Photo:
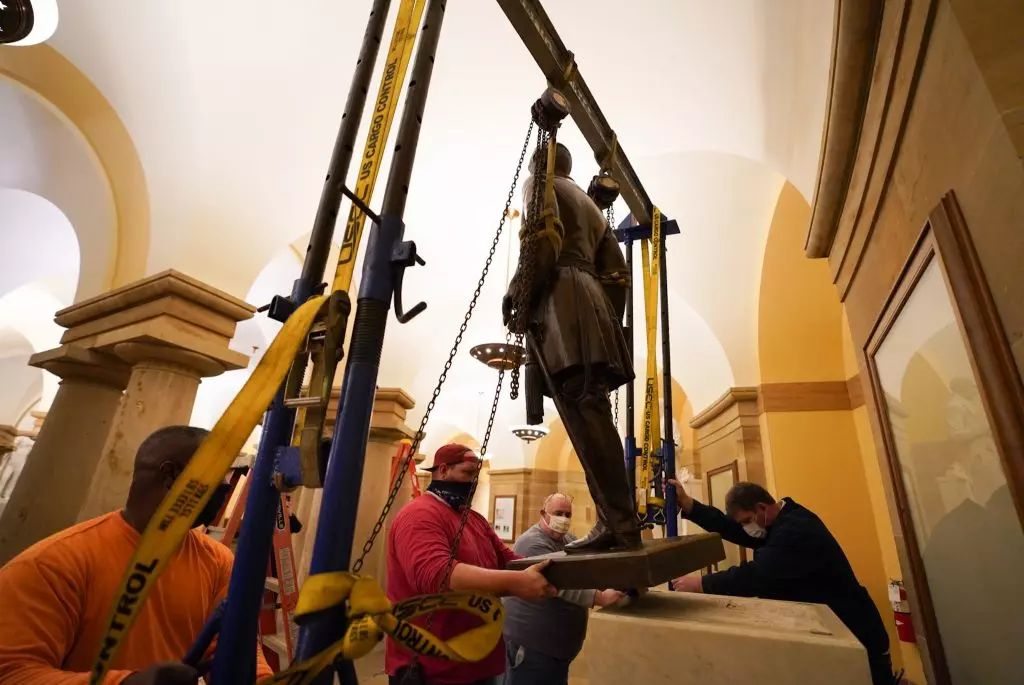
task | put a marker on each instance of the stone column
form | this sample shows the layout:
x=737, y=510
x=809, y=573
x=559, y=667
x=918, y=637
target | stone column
x=161, y=392
x=38, y=418
x=7, y=436
x=387, y=430
x=53, y=483
x=173, y=331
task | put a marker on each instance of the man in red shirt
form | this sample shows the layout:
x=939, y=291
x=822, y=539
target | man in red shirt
x=419, y=545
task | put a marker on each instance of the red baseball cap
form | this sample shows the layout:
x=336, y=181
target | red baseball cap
x=451, y=454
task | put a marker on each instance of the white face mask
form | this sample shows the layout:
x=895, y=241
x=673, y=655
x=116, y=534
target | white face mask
x=755, y=529
x=559, y=524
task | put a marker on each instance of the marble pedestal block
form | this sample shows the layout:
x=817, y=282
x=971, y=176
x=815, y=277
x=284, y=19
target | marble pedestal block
x=667, y=637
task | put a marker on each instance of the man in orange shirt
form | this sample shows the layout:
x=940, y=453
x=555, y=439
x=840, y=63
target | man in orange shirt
x=55, y=597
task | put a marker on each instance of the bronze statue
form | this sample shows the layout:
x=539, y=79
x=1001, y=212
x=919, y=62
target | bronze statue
x=568, y=295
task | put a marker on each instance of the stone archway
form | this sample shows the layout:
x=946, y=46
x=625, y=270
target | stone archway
x=85, y=114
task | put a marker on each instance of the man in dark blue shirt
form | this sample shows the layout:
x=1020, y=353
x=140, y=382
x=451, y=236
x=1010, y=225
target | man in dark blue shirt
x=796, y=559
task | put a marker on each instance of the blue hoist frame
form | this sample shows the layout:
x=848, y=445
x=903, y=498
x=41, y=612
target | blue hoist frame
x=387, y=256
x=628, y=232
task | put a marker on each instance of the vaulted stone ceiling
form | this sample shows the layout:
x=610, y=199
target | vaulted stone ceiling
x=233, y=107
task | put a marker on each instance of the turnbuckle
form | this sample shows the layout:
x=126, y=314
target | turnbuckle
x=403, y=257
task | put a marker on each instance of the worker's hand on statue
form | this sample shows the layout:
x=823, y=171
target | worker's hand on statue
x=606, y=598
x=166, y=673
x=688, y=584
x=684, y=501
x=530, y=583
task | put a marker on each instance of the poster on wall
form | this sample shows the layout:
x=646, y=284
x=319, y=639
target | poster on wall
x=504, y=516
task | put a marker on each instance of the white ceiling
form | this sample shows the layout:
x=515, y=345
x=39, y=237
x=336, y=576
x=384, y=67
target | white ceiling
x=716, y=104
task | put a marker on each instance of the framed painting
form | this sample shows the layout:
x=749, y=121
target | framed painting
x=949, y=408
x=505, y=517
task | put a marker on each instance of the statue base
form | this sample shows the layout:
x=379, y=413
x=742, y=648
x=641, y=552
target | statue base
x=657, y=562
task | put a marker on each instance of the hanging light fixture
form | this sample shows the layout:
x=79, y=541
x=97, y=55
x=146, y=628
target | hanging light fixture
x=529, y=433
x=499, y=355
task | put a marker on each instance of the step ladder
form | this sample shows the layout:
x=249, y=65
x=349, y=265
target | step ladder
x=403, y=449
x=278, y=632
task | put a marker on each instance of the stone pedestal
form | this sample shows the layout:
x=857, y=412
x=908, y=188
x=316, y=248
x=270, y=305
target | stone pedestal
x=712, y=640
x=55, y=479
x=387, y=430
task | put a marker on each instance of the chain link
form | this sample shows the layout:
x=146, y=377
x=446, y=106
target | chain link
x=404, y=467
x=610, y=215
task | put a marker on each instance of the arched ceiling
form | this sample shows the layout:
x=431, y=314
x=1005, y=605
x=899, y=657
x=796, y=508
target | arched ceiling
x=717, y=104
x=39, y=241
x=43, y=156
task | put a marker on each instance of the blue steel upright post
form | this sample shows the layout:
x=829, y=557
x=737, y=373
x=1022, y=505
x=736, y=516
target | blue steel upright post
x=335, y=533
x=668, y=447
x=235, y=658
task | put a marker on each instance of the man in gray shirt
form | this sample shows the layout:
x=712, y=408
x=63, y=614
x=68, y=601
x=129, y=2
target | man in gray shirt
x=543, y=637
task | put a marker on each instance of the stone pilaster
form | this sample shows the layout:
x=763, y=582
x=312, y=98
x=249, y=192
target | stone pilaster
x=57, y=472
x=172, y=331
x=729, y=432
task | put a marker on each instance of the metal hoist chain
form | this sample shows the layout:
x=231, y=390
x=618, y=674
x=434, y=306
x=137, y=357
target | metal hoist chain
x=528, y=250
x=404, y=467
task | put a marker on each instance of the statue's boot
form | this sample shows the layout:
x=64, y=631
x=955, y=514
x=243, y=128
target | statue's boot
x=587, y=417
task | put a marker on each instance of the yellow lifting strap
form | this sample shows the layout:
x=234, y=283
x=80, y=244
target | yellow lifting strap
x=193, y=488
x=403, y=39
x=372, y=616
x=652, y=429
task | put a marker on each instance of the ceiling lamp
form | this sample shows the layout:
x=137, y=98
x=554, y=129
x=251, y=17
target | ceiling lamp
x=27, y=22
x=529, y=433
x=500, y=355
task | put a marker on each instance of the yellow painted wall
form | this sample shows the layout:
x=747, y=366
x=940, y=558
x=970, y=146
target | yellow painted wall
x=825, y=460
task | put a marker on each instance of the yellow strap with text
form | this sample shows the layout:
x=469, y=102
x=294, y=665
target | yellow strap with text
x=650, y=267
x=402, y=41
x=190, y=492
x=372, y=616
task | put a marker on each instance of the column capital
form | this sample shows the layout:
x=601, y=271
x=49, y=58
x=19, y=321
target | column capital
x=8, y=434
x=168, y=309
x=390, y=407
x=71, y=362
x=169, y=358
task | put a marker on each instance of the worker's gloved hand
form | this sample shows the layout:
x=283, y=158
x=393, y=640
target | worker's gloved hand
x=530, y=583
x=606, y=598
x=684, y=501
x=166, y=673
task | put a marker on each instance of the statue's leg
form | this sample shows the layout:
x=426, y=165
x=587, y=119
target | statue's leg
x=587, y=416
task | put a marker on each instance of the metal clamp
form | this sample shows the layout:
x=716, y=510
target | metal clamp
x=403, y=257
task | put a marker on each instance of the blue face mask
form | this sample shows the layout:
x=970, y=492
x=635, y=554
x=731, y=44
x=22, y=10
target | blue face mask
x=454, y=493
